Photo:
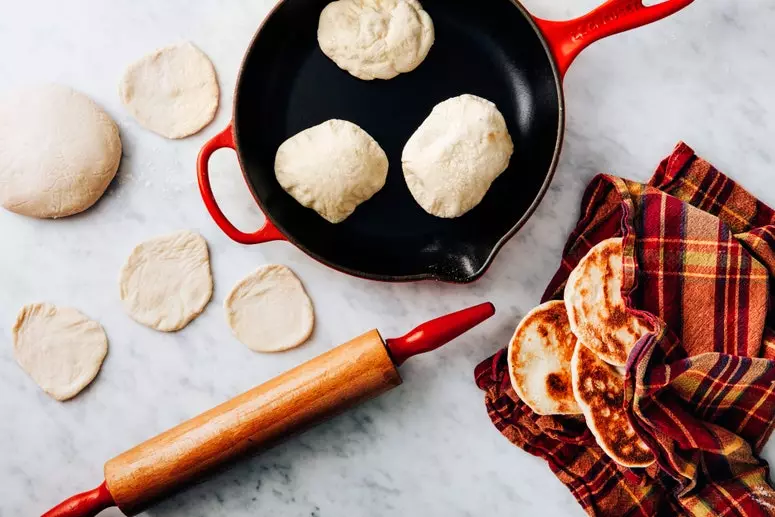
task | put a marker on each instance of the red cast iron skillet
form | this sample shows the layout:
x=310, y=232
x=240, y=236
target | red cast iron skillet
x=491, y=48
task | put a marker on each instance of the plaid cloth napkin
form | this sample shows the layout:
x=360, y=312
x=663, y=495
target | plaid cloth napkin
x=699, y=257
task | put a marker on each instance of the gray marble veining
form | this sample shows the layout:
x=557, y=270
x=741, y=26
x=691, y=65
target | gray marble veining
x=428, y=448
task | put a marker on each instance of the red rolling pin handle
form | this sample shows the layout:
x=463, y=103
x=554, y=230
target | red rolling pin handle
x=435, y=333
x=87, y=504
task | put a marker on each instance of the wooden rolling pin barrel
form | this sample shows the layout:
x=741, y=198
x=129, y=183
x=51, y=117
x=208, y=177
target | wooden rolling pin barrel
x=349, y=374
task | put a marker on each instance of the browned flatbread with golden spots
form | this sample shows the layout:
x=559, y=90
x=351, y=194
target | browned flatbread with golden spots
x=599, y=391
x=596, y=310
x=539, y=360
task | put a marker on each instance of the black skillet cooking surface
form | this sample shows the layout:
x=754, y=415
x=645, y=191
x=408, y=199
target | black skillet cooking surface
x=489, y=48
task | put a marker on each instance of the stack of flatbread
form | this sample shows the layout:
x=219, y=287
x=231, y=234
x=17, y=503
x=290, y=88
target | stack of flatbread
x=567, y=357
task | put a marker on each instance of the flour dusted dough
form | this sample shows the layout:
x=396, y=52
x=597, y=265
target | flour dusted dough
x=58, y=151
x=60, y=348
x=375, y=39
x=172, y=91
x=269, y=311
x=331, y=168
x=166, y=282
x=454, y=156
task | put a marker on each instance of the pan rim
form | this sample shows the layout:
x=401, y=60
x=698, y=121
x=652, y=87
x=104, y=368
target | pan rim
x=427, y=275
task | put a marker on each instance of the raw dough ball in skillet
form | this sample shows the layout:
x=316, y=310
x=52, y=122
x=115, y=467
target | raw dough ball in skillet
x=60, y=348
x=166, y=282
x=172, y=91
x=331, y=168
x=269, y=310
x=375, y=39
x=58, y=151
x=454, y=156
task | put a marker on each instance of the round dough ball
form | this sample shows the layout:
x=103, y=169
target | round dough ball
x=331, y=168
x=454, y=156
x=172, y=91
x=375, y=39
x=269, y=310
x=166, y=281
x=60, y=348
x=59, y=151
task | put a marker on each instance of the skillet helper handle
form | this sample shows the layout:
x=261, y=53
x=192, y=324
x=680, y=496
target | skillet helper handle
x=568, y=38
x=308, y=394
x=266, y=233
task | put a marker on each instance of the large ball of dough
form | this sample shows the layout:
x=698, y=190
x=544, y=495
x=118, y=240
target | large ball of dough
x=60, y=348
x=331, y=168
x=58, y=151
x=375, y=39
x=172, y=91
x=454, y=156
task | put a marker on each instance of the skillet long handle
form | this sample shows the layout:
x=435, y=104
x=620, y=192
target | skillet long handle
x=568, y=38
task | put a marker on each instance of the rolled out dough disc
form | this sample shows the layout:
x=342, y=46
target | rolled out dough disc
x=166, y=281
x=269, y=310
x=172, y=91
x=60, y=348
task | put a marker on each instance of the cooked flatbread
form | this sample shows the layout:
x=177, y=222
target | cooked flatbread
x=596, y=309
x=599, y=390
x=539, y=360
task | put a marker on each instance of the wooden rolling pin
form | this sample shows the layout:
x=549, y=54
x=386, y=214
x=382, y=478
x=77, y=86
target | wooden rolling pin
x=349, y=374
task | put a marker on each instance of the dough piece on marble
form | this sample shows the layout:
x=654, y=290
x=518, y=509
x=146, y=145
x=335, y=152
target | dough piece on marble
x=596, y=310
x=454, y=156
x=332, y=168
x=166, y=281
x=172, y=91
x=375, y=39
x=60, y=348
x=59, y=151
x=539, y=360
x=269, y=310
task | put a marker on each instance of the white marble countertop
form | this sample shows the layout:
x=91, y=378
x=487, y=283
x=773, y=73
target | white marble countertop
x=705, y=76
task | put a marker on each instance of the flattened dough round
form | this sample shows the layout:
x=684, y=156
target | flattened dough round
x=166, y=281
x=454, y=156
x=269, y=310
x=331, y=168
x=172, y=91
x=539, y=360
x=375, y=39
x=60, y=348
x=59, y=151
x=596, y=309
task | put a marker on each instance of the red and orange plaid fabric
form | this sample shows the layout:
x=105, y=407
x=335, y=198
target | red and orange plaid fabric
x=699, y=257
